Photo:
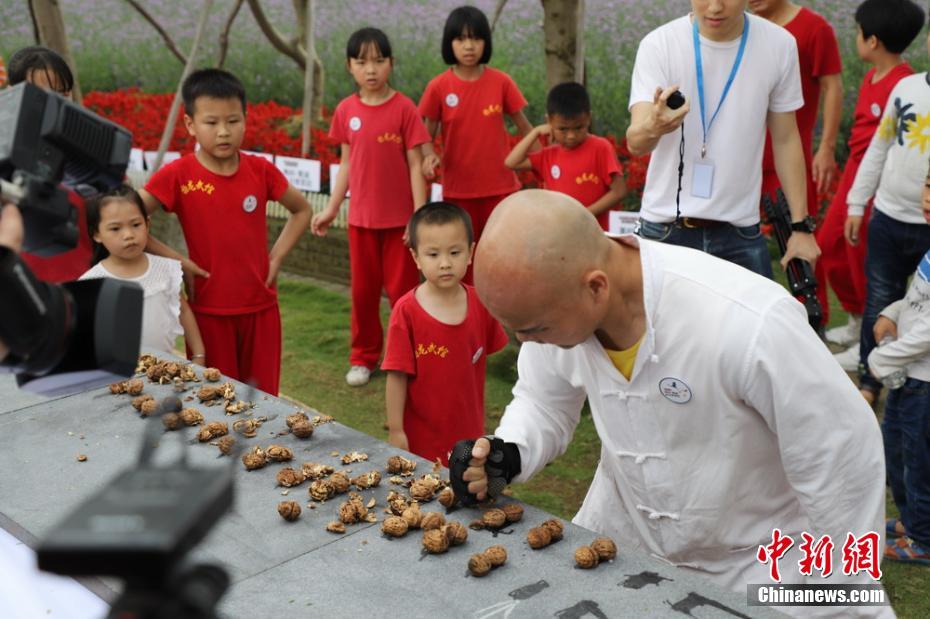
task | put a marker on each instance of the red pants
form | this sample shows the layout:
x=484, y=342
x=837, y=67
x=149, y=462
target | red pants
x=246, y=347
x=378, y=259
x=842, y=265
x=479, y=209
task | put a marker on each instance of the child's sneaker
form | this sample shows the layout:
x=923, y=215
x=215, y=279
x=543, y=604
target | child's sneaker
x=849, y=358
x=847, y=334
x=358, y=375
x=906, y=550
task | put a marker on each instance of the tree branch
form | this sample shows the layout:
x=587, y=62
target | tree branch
x=164, y=35
x=224, y=35
x=497, y=13
x=275, y=37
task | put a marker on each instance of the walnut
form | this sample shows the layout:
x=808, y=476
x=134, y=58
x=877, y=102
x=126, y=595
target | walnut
x=187, y=373
x=207, y=393
x=211, y=374
x=555, y=528
x=605, y=548
x=321, y=489
x=394, y=526
x=172, y=421
x=413, y=516
x=137, y=402
x=340, y=482
x=212, y=430
x=148, y=407
x=191, y=416
x=456, y=533
x=586, y=557
x=336, y=527
x=538, y=537
x=354, y=456
x=421, y=491
x=513, y=512
x=295, y=418
x=478, y=565
x=319, y=420
x=226, y=444
x=496, y=555
x=316, y=471
x=145, y=362
x=118, y=388
x=348, y=512
x=432, y=520
x=370, y=479
x=134, y=387
x=289, y=477
x=435, y=541
x=254, y=459
x=400, y=465
x=302, y=429
x=247, y=427
x=397, y=503
x=156, y=371
x=447, y=497
x=234, y=408
x=277, y=453
x=172, y=369
x=494, y=518
x=289, y=510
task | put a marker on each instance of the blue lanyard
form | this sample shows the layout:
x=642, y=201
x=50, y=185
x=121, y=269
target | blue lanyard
x=700, y=76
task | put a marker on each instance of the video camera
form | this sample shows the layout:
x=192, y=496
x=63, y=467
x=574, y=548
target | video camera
x=81, y=334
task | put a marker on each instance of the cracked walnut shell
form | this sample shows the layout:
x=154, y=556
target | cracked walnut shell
x=191, y=416
x=478, y=565
x=395, y=526
x=148, y=407
x=336, y=527
x=494, y=518
x=277, y=453
x=254, y=459
x=456, y=533
x=137, y=402
x=297, y=417
x=555, y=528
x=513, y=512
x=226, y=444
x=432, y=520
x=586, y=557
x=134, y=387
x=211, y=374
x=247, y=427
x=321, y=489
x=435, y=541
x=605, y=548
x=302, y=429
x=316, y=471
x=538, y=537
x=496, y=555
x=370, y=479
x=289, y=510
x=118, y=388
x=212, y=430
x=289, y=477
x=398, y=465
x=208, y=392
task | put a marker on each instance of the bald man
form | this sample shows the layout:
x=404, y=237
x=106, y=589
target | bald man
x=729, y=419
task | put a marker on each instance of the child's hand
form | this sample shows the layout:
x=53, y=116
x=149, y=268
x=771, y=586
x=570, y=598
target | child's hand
x=191, y=270
x=851, y=229
x=320, y=222
x=429, y=165
x=398, y=439
x=11, y=228
x=274, y=265
x=885, y=327
x=545, y=130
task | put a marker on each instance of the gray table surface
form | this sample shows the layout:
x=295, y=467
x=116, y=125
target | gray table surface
x=300, y=569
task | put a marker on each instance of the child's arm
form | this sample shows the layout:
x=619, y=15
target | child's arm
x=869, y=173
x=430, y=158
x=824, y=164
x=611, y=198
x=417, y=182
x=395, y=398
x=517, y=159
x=524, y=127
x=192, y=333
x=337, y=193
x=907, y=348
x=296, y=225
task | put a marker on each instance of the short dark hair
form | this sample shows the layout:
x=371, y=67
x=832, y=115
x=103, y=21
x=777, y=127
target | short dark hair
x=896, y=23
x=213, y=83
x=95, y=204
x=27, y=60
x=360, y=39
x=437, y=214
x=568, y=100
x=470, y=20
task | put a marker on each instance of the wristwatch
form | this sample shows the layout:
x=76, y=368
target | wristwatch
x=805, y=225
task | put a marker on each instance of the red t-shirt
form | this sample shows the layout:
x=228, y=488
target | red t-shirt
x=446, y=370
x=223, y=219
x=869, y=108
x=379, y=137
x=474, y=136
x=818, y=55
x=69, y=265
x=584, y=172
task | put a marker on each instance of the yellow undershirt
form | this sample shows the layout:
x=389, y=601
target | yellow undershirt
x=624, y=360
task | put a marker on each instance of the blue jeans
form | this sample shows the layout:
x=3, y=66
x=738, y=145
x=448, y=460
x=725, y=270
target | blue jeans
x=906, y=431
x=744, y=246
x=893, y=252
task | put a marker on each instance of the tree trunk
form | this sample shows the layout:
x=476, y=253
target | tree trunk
x=562, y=26
x=51, y=28
x=309, y=99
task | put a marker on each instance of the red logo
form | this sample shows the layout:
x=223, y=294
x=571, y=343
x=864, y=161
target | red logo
x=774, y=551
x=860, y=554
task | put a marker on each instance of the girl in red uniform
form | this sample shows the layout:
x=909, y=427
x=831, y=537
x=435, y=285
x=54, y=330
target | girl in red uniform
x=469, y=102
x=380, y=134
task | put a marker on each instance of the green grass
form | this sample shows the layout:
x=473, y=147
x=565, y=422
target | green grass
x=315, y=359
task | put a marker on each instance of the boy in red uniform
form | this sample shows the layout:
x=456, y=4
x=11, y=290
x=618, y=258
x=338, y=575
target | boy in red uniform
x=438, y=341
x=219, y=195
x=579, y=164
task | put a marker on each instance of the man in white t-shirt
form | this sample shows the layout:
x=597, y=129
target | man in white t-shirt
x=748, y=71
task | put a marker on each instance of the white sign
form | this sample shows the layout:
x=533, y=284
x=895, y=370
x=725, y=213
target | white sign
x=267, y=156
x=333, y=171
x=435, y=192
x=304, y=174
x=623, y=222
x=150, y=156
x=136, y=160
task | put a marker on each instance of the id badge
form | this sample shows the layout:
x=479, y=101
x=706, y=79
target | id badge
x=702, y=180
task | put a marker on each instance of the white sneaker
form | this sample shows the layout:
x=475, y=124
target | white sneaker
x=847, y=334
x=849, y=358
x=358, y=375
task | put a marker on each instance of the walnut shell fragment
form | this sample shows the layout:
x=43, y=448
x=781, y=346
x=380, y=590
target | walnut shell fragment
x=447, y=497
x=297, y=417
x=555, y=528
x=316, y=471
x=212, y=374
x=191, y=416
x=137, y=402
x=586, y=557
x=118, y=388
x=435, y=541
x=148, y=407
x=513, y=512
x=397, y=503
x=538, y=537
x=171, y=421
x=289, y=510
x=354, y=456
x=432, y=520
x=277, y=453
x=134, y=387
x=289, y=477
x=336, y=527
x=478, y=565
x=234, y=408
x=321, y=490
x=302, y=429
x=605, y=548
x=394, y=526
x=496, y=555
x=226, y=444
x=254, y=459
x=456, y=533
x=212, y=430
x=247, y=427
x=370, y=479
x=494, y=518
x=399, y=465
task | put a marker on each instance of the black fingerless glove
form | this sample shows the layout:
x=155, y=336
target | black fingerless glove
x=501, y=466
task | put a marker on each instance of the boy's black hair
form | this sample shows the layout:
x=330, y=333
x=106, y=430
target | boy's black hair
x=34, y=58
x=213, y=83
x=92, y=214
x=437, y=214
x=568, y=100
x=470, y=20
x=896, y=23
x=360, y=39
